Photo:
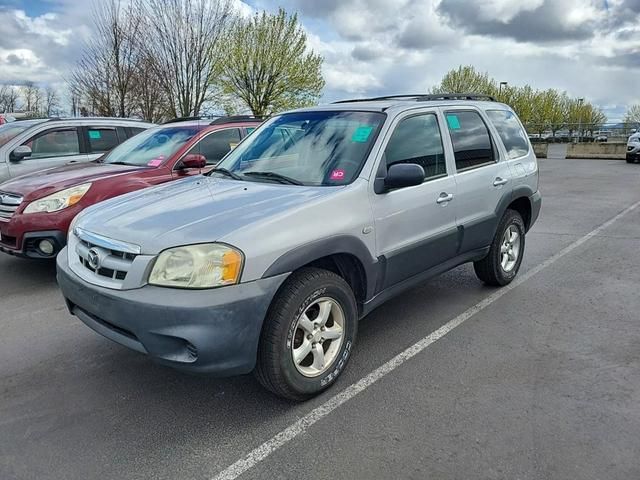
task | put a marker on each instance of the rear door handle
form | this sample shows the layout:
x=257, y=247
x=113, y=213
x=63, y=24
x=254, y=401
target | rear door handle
x=444, y=198
x=500, y=181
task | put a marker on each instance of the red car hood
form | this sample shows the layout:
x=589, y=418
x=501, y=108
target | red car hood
x=56, y=179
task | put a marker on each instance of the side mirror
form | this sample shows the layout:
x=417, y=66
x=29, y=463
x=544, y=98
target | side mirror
x=402, y=175
x=193, y=160
x=20, y=153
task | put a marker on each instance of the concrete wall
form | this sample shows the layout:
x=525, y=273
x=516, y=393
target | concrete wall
x=541, y=149
x=597, y=150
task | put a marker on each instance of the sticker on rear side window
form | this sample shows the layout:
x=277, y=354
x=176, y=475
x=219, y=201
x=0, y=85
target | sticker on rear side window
x=454, y=122
x=95, y=134
x=362, y=133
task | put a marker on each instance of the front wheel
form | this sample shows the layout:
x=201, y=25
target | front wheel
x=501, y=265
x=308, y=334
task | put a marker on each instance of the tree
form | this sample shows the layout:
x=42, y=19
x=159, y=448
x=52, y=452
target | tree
x=8, y=98
x=633, y=115
x=539, y=110
x=52, y=101
x=184, y=39
x=150, y=98
x=29, y=95
x=268, y=64
x=466, y=79
x=106, y=70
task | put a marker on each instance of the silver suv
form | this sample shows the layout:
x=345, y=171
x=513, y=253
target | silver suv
x=633, y=148
x=31, y=145
x=267, y=262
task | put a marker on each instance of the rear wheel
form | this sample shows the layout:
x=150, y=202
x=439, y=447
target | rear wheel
x=501, y=265
x=308, y=334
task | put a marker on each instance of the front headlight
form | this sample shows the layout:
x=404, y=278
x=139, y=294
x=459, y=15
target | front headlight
x=205, y=265
x=59, y=200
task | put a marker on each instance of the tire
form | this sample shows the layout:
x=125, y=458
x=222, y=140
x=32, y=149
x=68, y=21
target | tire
x=490, y=269
x=305, y=292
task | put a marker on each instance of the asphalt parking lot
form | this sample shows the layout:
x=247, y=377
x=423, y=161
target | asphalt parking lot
x=540, y=383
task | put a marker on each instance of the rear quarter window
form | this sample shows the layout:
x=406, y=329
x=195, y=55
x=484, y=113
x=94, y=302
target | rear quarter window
x=511, y=133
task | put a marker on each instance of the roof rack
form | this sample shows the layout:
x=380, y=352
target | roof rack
x=184, y=119
x=423, y=97
x=236, y=119
x=66, y=119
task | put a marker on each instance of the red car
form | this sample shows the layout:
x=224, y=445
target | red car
x=36, y=209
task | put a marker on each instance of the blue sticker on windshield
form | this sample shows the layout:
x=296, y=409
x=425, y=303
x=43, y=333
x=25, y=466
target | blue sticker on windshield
x=361, y=134
x=454, y=122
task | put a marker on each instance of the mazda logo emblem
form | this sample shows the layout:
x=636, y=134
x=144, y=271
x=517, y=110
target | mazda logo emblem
x=94, y=259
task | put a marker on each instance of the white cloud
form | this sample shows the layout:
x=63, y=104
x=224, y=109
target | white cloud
x=373, y=47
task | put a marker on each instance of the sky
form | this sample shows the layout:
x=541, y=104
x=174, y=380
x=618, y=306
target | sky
x=589, y=48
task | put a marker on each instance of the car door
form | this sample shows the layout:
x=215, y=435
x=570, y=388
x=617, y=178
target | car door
x=482, y=176
x=51, y=147
x=214, y=146
x=416, y=226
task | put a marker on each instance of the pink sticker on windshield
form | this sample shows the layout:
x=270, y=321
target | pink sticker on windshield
x=337, y=174
x=156, y=161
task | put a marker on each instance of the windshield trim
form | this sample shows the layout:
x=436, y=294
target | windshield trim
x=365, y=158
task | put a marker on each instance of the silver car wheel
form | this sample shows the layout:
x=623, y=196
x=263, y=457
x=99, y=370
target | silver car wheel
x=318, y=336
x=510, y=248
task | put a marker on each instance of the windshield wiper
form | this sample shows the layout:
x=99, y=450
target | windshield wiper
x=121, y=163
x=274, y=176
x=225, y=172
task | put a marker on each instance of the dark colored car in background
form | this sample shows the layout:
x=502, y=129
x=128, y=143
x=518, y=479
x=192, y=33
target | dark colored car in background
x=36, y=209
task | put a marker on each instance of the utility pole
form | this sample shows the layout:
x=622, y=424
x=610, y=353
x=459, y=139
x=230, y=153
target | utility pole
x=500, y=89
x=580, y=100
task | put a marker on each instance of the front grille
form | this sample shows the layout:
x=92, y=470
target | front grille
x=104, y=262
x=9, y=203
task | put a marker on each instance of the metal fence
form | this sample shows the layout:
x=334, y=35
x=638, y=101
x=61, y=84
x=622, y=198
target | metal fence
x=567, y=133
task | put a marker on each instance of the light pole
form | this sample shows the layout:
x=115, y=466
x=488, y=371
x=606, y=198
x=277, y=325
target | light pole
x=500, y=89
x=580, y=100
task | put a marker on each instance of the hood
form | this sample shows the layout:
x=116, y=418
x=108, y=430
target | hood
x=52, y=180
x=194, y=210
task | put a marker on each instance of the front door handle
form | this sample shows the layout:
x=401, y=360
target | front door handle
x=498, y=182
x=444, y=198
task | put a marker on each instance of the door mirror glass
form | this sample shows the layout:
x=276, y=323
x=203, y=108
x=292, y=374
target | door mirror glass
x=193, y=160
x=403, y=175
x=20, y=153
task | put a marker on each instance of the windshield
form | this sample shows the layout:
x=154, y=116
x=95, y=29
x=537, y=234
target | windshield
x=151, y=147
x=10, y=130
x=307, y=148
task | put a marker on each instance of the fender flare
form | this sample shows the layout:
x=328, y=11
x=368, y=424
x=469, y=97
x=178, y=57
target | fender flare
x=339, y=244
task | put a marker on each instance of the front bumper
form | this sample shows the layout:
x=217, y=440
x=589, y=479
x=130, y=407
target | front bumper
x=26, y=245
x=202, y=331
x=633, y=155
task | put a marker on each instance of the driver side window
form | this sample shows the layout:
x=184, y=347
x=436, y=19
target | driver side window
x=418, y=140
x=54, y=143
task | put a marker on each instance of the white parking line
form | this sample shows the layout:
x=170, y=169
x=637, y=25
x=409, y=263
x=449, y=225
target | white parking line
x=270, y=446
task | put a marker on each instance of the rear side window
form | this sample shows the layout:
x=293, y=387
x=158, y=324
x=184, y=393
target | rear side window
x=102, y=140
x=417, y=140
x=135, y=130
x=471, y=140
x=510, y=131
x=217, y=144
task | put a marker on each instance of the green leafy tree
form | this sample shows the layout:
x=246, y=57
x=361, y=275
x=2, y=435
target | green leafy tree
x=269, y=66
x=539, y=110
x=632, y=117
x=466, y=79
